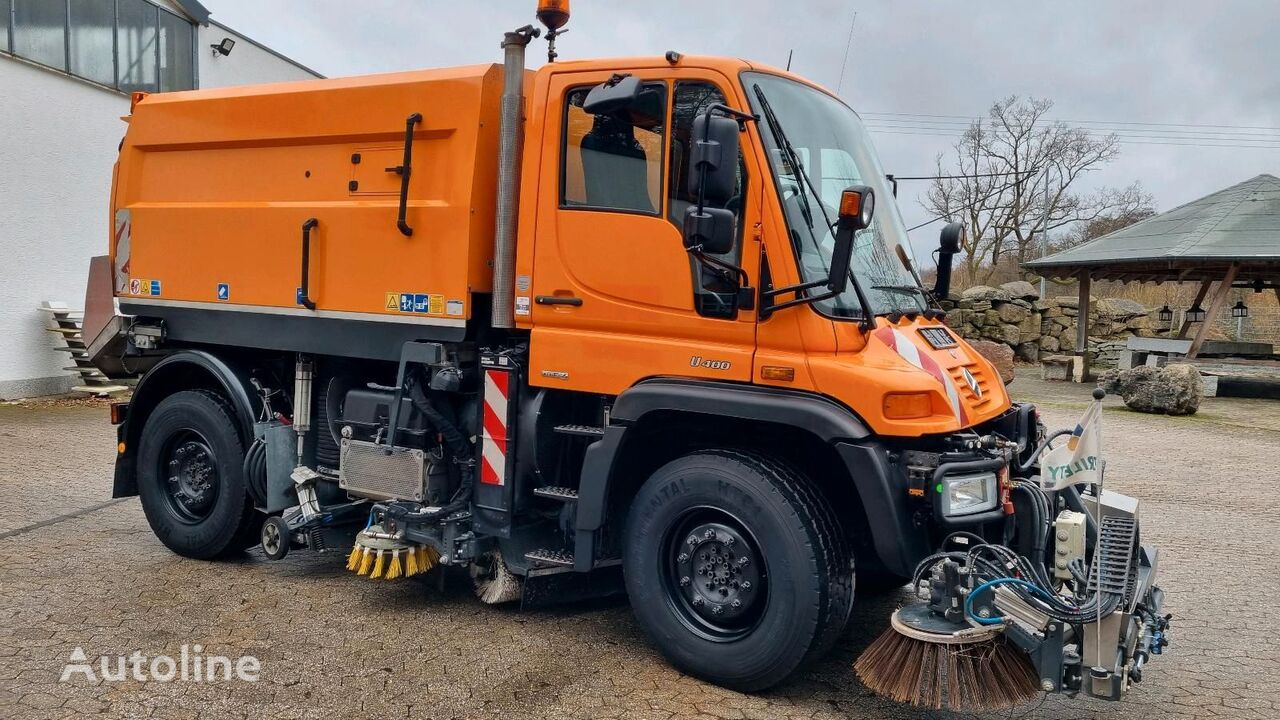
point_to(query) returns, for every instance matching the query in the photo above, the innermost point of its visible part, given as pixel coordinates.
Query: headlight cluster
(968, 494)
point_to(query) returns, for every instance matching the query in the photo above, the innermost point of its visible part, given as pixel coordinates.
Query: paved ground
(336, 646)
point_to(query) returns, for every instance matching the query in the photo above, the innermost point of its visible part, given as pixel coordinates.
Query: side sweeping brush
(379, 557)
(925, 661)
(493, 580)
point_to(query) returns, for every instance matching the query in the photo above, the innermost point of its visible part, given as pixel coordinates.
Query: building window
(136, 45)
(126, 45)
(40, 31)
(176, 53)
(614, 162)
(92, 41)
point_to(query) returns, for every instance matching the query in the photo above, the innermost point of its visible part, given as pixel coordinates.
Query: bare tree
(1001, 167)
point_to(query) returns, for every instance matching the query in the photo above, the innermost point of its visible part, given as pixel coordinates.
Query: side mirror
(857, 207)
(626, 97)
(711, 229)
(613, 95)
(950, 241)
(713, 161)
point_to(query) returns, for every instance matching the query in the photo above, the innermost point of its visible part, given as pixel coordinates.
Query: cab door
(614, 296)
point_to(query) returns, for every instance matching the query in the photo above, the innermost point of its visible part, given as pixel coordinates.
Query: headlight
(968, 494)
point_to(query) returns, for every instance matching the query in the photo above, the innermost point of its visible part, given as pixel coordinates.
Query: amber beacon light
(554, 14)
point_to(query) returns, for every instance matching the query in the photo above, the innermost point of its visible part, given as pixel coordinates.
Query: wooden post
(1082, 327)
(1219, 297)
(1186, 324)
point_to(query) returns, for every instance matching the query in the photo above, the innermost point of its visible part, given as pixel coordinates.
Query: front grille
(368, 470)
(966, 392)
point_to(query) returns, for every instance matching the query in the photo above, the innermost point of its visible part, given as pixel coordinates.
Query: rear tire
(736, 568)
(190, 477)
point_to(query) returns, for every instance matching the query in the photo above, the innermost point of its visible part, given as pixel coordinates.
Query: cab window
(612, 162)
(713, 294)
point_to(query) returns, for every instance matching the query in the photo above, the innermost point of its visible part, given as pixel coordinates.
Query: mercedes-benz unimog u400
(649, 317)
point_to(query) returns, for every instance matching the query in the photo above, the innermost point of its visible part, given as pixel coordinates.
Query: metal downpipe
(510, 132)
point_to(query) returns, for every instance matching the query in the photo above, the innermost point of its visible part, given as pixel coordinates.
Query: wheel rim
(271, 538)
(190, 468)
(714, 574)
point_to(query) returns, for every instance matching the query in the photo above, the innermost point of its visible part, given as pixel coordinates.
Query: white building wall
(247, 63)
(58, 140)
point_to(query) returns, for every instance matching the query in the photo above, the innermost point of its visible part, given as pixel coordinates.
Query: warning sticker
(135, 287)
(420, 303)
(155, 287)
(454, 307)
(393, 301)
(435, 304)
(224, 291)
(523, 283)
(522, 305)
(406, 302)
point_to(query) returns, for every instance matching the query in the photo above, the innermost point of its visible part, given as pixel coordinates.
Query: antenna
(848, 44)
(789, 54)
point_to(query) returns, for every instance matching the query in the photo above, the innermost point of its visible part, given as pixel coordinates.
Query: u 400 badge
(699, 361)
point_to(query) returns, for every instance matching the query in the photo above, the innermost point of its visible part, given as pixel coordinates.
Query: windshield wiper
(793, 159)
(906, 289)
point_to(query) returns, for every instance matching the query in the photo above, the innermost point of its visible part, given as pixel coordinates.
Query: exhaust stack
(509, 136)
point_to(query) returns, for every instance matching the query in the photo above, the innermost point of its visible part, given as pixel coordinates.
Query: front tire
(190, 478)
(736, 569)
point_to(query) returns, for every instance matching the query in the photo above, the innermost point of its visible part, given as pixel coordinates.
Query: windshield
(834, 152)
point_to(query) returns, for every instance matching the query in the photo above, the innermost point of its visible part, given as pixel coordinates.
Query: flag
(1079, 460)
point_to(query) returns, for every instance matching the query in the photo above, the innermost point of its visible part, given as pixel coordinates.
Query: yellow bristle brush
(378, 567)
(353, 560)
(410, 562)
(393, 570)
(366, 562)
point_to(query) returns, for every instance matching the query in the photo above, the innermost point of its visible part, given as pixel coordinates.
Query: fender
(829, 421)
(182, 370)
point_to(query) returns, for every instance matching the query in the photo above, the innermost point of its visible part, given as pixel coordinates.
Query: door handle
(404, 171)
(304, 298)
(558, 300)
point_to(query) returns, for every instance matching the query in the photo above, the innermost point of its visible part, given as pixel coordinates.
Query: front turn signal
(907, 406)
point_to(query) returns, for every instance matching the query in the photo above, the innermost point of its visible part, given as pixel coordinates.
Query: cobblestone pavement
(335, 646)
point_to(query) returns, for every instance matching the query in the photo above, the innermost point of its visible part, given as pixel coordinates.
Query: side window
(714, 295)
(613, 162)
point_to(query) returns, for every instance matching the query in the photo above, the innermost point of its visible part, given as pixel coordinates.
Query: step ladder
(68, 324)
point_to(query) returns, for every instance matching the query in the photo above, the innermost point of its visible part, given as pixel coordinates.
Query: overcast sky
(1181, 63)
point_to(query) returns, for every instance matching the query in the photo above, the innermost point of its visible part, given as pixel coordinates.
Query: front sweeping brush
(924, 660)
(378, 556)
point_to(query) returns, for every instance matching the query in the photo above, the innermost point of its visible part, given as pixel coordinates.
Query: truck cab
(606, 275)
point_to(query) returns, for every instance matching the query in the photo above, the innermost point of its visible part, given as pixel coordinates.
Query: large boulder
(1011, 313)
(1021, 289)
(985, 292)
(1121, 308)
(1174, 389)
(1000, 355)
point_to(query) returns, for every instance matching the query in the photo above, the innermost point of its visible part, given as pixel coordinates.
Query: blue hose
(968, 601)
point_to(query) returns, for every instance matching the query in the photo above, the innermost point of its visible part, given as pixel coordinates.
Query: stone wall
(1013, 314)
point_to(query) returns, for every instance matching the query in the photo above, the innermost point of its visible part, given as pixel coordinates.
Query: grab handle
(404, 171)
(304, 297)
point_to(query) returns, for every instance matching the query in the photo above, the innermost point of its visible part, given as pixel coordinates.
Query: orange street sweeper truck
(644, 323)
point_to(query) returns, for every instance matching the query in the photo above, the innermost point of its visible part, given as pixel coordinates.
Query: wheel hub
(193, 477)
(719, 573)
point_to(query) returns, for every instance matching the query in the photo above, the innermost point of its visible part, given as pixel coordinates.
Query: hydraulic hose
(454, 440)
(254, 468)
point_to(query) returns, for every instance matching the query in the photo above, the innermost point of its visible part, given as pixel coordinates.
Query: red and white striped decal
(910, 352)
(493, 444)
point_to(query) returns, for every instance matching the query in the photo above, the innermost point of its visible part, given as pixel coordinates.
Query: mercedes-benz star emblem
(973, 382)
